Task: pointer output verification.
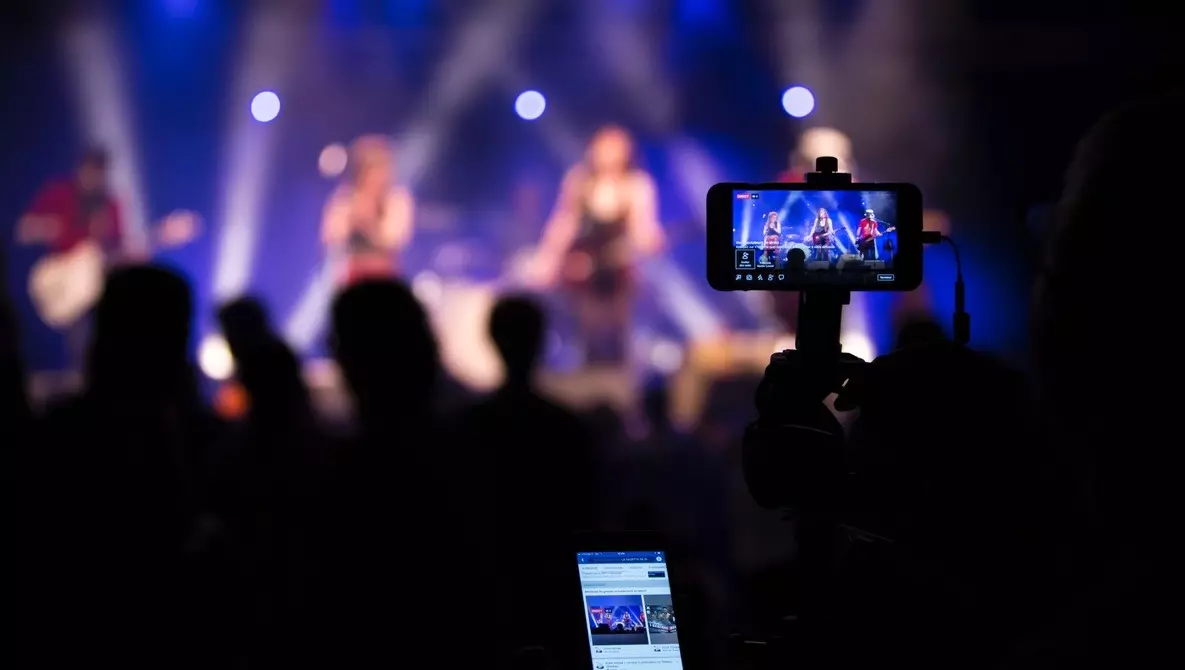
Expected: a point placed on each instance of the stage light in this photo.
(332, 161)
(265, 106)
(182, 9)
(798, 101)
(858, 345)
(214, 358)
(530, 105)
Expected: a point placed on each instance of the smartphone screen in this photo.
(781, 237)
(628, 609)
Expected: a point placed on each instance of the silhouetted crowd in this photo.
(996, 519)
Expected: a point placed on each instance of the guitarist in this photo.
(605, 218)
(67, 212)
(822, 235)
(868, 232)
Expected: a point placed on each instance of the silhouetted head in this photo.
(919, 332)
(796, 259)
(243, 322)
(1136, 150)
(517, 327)
(385, 346)
(92, 170)
(141, 333)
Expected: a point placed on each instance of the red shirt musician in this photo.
(867, 233)
(366, 219)
(67, 212)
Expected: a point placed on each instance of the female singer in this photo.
(822, 235)
(367, 219)
(605, 218)
(772, 235)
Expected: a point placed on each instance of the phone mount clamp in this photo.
(820, 311)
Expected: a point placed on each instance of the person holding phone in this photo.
(367, 220)
(606, 217)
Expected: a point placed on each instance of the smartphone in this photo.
(627, 601)
(795, 237)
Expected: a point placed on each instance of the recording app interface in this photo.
(627, 606)
(829, 238)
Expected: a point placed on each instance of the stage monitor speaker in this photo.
(850, 263)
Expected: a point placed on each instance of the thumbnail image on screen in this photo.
(660, 618)
(617, 620)
(628, 609)
(832, 237)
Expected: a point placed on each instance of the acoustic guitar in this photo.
(63, 286)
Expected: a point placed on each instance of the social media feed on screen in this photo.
(628, 609)
(825, 238)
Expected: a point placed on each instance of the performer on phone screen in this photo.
(869, 231)
(773, 236)
(368, 220)
(822, 235)
(606, 217)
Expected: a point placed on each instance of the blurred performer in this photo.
(68, 213)
(773, 236)
(822, 236)
(605, 219)
(368, 220)
(812, 144)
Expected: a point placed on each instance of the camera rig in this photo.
(793, 453)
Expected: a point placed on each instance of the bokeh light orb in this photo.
(265, 106)
(530, 105)
(333, 160)
(215, 359)
(798, 101)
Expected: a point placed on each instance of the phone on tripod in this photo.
(801, 237)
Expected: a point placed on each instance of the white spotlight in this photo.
(530, 105)
(859, 345)
(798, 101)
(265, 106)
(332, 161)
(215, 359)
